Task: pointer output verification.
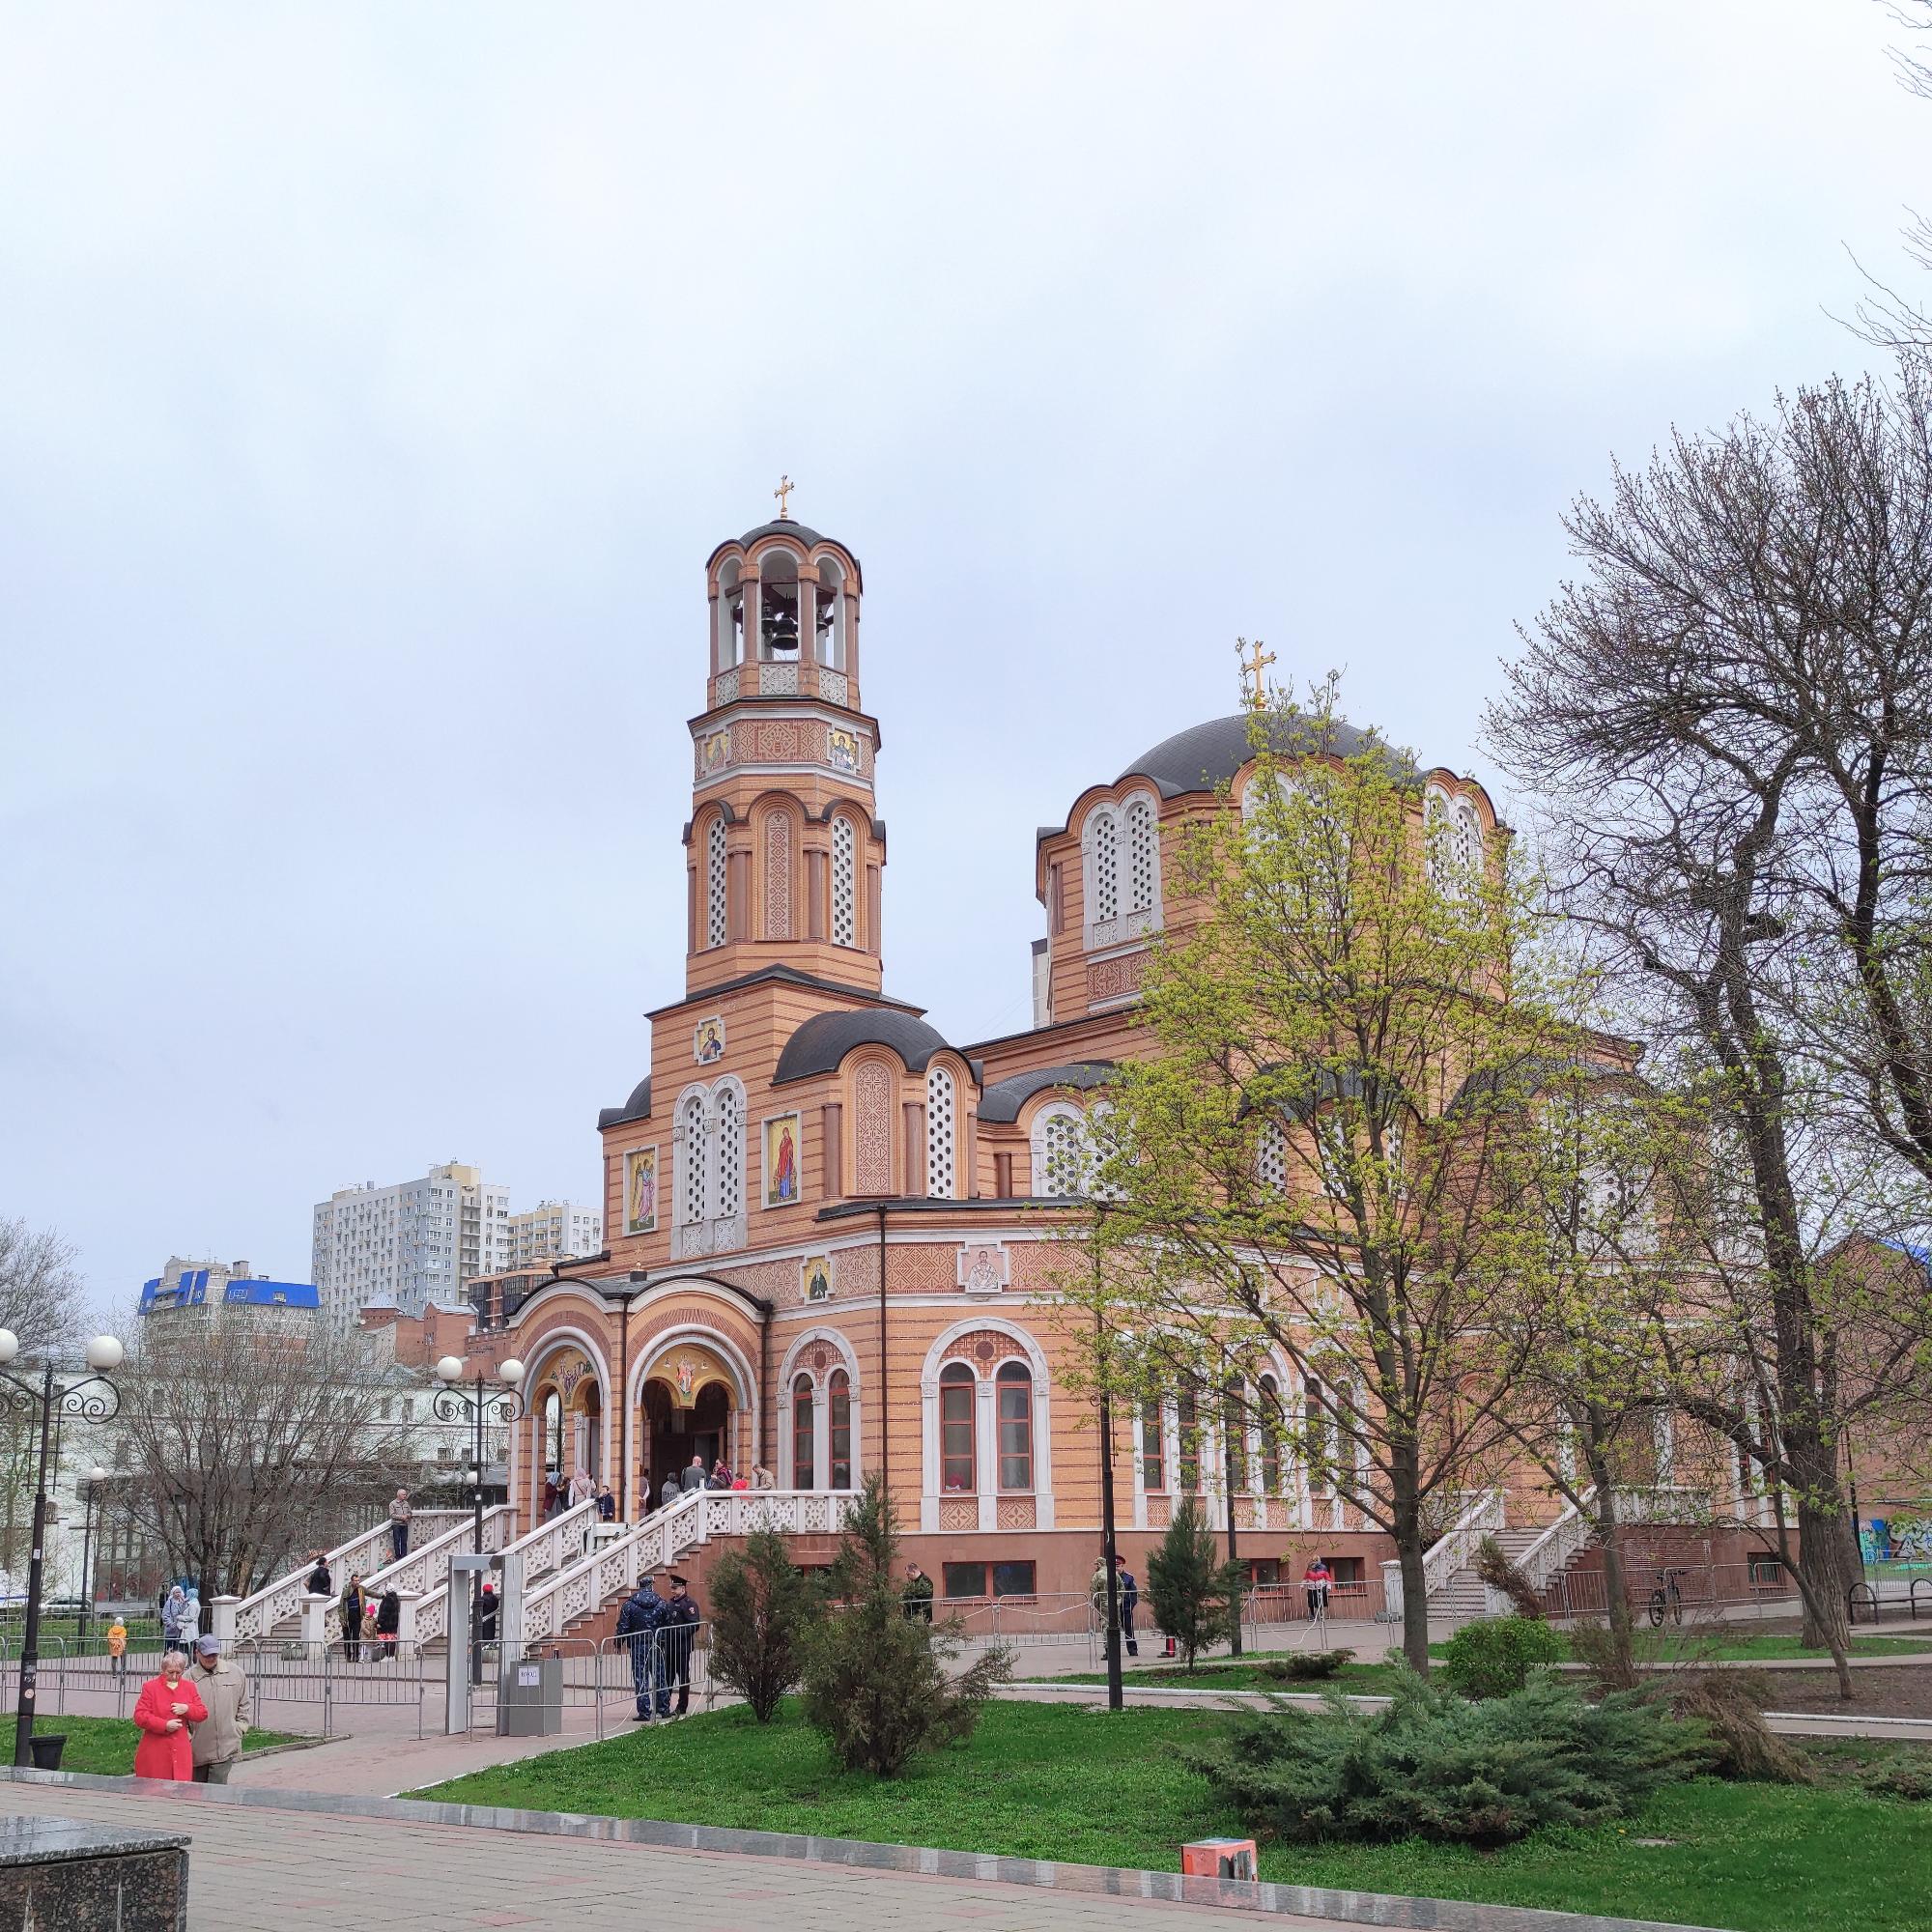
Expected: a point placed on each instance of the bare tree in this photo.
(1730, 720)
(43, 1301)
(245, 1436)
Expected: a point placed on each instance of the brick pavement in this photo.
(252, 1868)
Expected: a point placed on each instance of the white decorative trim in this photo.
(778, 680)
(832, 685)
(987, 1440)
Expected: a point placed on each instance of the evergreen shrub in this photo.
(1495, 1656)
(1437, 1766)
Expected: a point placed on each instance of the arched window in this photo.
(1153, 1451)
(845, 882)
(939, 1133)
(1104, 836)
(1143, 857)
(1014, 1387)
(777, 874)
(692, 1193)
(731, 618)
(802, 1473)
(1465, 838)
(778, 635)
(1061, 1153)
(1270, 1412)
(829, 617)
(838, 1399)
(730, 1151)
(958, 1467)
(717, 926)
(1187, 1427)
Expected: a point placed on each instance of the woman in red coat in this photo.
(167, 1706)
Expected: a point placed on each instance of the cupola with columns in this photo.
(784, 847)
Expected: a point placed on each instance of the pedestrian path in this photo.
(271, 1860)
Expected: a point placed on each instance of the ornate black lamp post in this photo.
(480, 1402)
(90, 1399)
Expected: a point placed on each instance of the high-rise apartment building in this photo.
(553, 1230)
(412, 1243)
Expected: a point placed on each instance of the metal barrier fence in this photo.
(1673, 1593)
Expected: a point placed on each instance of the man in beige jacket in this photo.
(224, 1691)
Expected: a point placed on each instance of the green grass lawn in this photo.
(105, 1746)
(1050, 1781)
(1372, 1678)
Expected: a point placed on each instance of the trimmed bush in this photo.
(1494, 1657)
(1305, 1667)
(763, 1608)
(876, 1679)
(1195, 1596)
(1437, 1766)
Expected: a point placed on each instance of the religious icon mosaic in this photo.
(782, 1165)
(708, 1039)
(641, 1191)
(815, 1278)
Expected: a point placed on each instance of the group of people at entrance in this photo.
(565, 1492)
(719, 1476)
(192, 1718)
(662, 1633)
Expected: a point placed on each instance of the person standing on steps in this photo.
(223, 1689)
(680, 1636)
(642, 1620)
(694, 1475)
(354, 1607)
(583, 1487)
(607, 1504)
(399, 1525)
(670, 1492)
(319, 1582)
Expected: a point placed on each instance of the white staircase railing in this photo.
(664, 1538)
(1574, 1529)
(1457, 1549)
(256, 1615)
(424, 1568)
(550, 1546)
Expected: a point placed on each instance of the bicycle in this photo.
(1667, 1601)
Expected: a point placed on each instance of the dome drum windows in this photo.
(845, 882)
(1454, 831)
(1119, 854)
(940, 1157)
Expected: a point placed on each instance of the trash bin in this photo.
(529, 1698)
(47, 1750)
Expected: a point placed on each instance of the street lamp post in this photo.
(477, 1400)
(90, 1399)
(95, 1476)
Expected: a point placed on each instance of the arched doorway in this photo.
(565, 1423)
(688, 1408)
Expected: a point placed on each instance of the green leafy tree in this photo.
(1346, 1018)
(1196, 1596)
(876, 1681)
(763, 1611)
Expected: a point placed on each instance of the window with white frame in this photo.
(845, 882)
(1061, 1153)
(716, 926)
(939, 1156)
(694, 1191)
(1143, 855)
(730, 1151)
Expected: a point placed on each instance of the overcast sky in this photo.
(374, 382)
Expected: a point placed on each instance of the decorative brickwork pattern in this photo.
(873, 1129)
(777, 875)
(1115, 978)
(1017, 1512)
(985, 1348)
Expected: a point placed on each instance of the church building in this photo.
(832, 1232)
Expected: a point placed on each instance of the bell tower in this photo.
(785, 850)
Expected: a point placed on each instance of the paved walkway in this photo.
(252, 1868)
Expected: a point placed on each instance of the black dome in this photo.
(636, 1108)
(785, 527)
(1003, 1099)
(826, 1039)
(1206, 756)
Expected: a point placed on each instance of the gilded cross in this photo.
(782, 493)
(1251, 671)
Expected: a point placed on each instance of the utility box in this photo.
(529, 1698)
(1219, 1857)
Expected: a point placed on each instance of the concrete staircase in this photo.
(1462, 1597)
